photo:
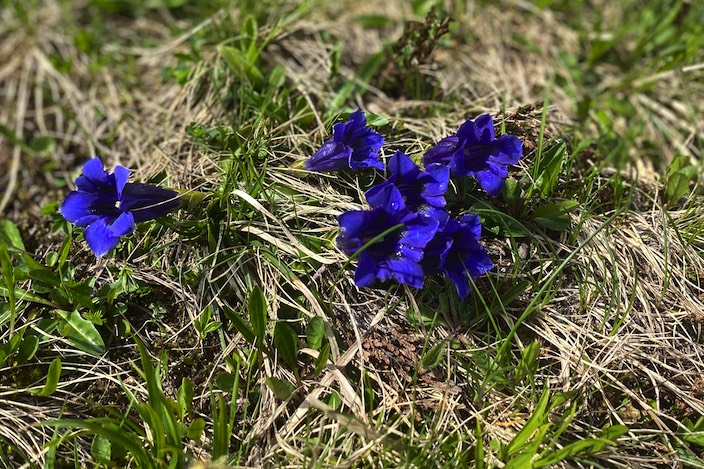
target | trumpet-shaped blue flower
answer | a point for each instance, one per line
(108, 207)
(353, 145)
(418, 188)
(399, 253)
(475, 151)
(456, 251)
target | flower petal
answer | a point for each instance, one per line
(419, 231)
(332, 156)
(437, 201)
(499, 170)
(490, 182)
(440, 179)
(353, 225)
(377, 195)
(365, 158)
(442, 151)
(147, 202)
(123, 225)
(366, 272)
(352, 129)
(478, 262)
(459, 278)
(121, 176)
(435, 253)
(457, 164)
(411, 253)
(99, 237)
(95, 172)
(480, 130)
(353, 145)
(403, 167)
(510, 149)
(387, 198)
(406, 271)
(77, 208)
(103, 236)
(471, 225)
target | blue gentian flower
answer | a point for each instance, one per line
(108, 207)
(353, 145)
(456, 251)
(399, 253)
(418, 188)
(475, 151)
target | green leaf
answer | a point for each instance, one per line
(376, 121)
(286, 343)
(365, 74)
(52, 379)
(500, 303)
(534, 422)
(46, 276)
(195, 429)
(553, 209)
(114, 433)
(221, 429)
(583, 447)
(315, 332)
(322, 359)
(529, 361)
(434, 355)
(522, 460)
(240, 325)
(101, 449)
(497, 221)
(677, 187)
(250, 29)
(15, 140)
(184, 397)
(553, 215)
(43, 145)
(81, 332)
(277, 78)
(225, 382)
(27, 349)
(239, 63)
(678, 162)
(159, 416)
(550, 165)
(11, 235)
(81, 292)
(694, 427)
(258, 313)
(422, 7)
(282, 388)
(689, 460)
(373, 21)
(65, 250)
(610, 434)
(479, 448)
(560, 223)
(512, 191)
(23, 295)
(11, 346)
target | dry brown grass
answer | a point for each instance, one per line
(623, 331)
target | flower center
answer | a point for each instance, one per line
(477, 154)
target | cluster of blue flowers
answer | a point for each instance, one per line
(407, 234)
(108, 206)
